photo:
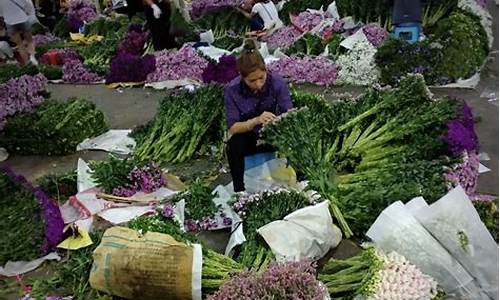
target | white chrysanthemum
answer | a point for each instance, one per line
(486, 20)
(358, 66)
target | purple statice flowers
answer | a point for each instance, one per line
(222, 72)
(201, 7)
(328, 31)
(290, 280)
(465, 173)
(375, 34)
(19, 95)
(307, 20)
(133, 42)
(75, 72)
(146, 179)
(317, 70)
(80, 12)
(283, 37)
(185, 63)
(64, 55)
(54, 223)
(42, 39)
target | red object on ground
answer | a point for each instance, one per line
(52, 57)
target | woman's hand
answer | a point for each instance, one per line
(265, 118)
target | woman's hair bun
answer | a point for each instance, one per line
(249, 45)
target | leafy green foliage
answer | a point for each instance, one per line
(10, 71)
(296, 6)
(64, 124)
(199, 201)
(228, 42)
(112, 172)
(21, 222)
(223, 19)
(309, 44)
(62, 28)
(488, 212)
(159, 223)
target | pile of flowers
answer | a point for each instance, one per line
(222, 72)
(201, 7)
(21, 94)
(358, 67)
(291, 280)
(128, 65)
(177, 65)
(75, 72)
(307, 20)
(81, 12)
(318, 70)
(375, 34)
(62, 55)
(283, 37)
(328, 31)
(42, 39)
(146, 179)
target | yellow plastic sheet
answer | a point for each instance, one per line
(85, 40)
(82, 240)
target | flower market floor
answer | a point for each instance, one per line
(127, 108)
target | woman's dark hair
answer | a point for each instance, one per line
(250, 59)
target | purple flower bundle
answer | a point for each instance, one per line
(81, 12)
(465, 173)
(222, 72)
(133, 42)
(460, 135)
(21, 94)
(42, 39)
(146, 179)
(291, 280)
(177, 65)
(283, 37)
(127, 67)
(318, 70)
(336, 27)
(54, 223)
(206, 223)
(375, 34)
(201, 7)
(75, 72)
(482, 3)
(65, 55)
(307, 20)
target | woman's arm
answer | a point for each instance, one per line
(245, 13)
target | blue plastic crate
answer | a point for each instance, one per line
(409, 32)
(258, 159)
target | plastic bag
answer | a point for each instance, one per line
(115, 141)
(84, 177)
(332, 11)
(310, 233)
(455, 223)
(396, 229)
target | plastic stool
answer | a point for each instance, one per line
(258, 159)
(409, 32)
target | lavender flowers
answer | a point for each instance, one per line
(307, 20)
(283, 37)
(145, 179)
(375, 34)
(177, 65)
(80, 12)
(317, 70)
(222, 72)
(21, 94)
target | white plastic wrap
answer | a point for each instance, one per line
(306, 233)
(454, 222)
(396, 229)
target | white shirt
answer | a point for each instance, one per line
(15, 14)
(269, 14)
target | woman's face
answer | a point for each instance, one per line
(256, 80)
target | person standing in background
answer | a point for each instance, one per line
(19, 16)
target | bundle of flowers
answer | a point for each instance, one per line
(75, 72)
(222, 72)
(201, 7)
(146, 179)
(21, 94)
(80, 12)
(460, 135)
(375, 34)
(42, 39)
(373, 274)
(126, 67)
(59, 56)
(479, 9)
(317, 70)
(307, 20)
(358, 67)
(328, 31)
(26, 212)
(283, 37)
(177, 65)
(291, 280)
(133, 42)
